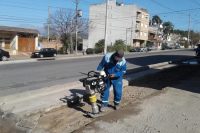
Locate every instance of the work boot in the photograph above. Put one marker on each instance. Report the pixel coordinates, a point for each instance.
(116, 107)
(103, 108)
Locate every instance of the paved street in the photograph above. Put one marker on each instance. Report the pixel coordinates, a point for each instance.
(16, 78)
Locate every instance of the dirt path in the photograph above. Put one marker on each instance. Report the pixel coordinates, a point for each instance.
(73, 119)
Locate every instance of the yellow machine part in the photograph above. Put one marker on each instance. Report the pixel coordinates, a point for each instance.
(93, 99)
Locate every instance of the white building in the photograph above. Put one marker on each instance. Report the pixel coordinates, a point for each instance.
(127, 22)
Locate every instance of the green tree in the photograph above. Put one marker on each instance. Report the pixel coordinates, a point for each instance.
(167, 29)
(99, 46)
(194, 37)
(156, 20)
(119, 45)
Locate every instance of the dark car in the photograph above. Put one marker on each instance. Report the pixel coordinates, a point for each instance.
(197, 50)
(4, 55)
(44, 52)
(135, 50)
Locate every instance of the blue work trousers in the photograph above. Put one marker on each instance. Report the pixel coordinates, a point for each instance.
(117, 90)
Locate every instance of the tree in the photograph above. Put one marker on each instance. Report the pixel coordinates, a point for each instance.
(99, 46)
(63, 25)
(119, 45)
(156, 20)
(194, 37)
(167, 29)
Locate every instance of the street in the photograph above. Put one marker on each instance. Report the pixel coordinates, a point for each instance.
(16, 78)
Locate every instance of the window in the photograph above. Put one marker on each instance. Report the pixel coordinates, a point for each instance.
(141, 33)
(145, 34)
(141, 24)
(145, 25)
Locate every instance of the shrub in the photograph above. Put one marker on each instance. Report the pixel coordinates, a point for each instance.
(99, 46)
(62, 50)
(90, 51)
(119, 45)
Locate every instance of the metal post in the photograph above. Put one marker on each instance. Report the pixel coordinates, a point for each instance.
(71, 40)
(189, 30)
(76, 27)
(126, 38)
(105, 34)
(48, 22)
(131, 41)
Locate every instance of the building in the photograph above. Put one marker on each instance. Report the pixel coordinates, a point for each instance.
(155, 36)
(127, 22)
(16, 40)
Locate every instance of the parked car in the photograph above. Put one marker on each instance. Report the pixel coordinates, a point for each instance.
(165, 46)
(135, 49)
(44, 52)
(145, 49)
(197, 50)
(4, 55)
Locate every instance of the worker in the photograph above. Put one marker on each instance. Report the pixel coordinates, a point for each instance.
(114, 65)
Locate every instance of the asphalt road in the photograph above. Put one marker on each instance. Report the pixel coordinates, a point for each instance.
(16, 78)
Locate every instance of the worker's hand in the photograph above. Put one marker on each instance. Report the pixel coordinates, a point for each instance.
(111, 76)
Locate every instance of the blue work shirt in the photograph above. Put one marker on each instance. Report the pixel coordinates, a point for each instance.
(107, 64)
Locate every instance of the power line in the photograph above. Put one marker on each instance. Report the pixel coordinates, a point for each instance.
(161, 5)
(178, 11)
(29, 8)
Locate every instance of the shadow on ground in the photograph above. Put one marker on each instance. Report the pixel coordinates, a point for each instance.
(184, 77)
(154, 59)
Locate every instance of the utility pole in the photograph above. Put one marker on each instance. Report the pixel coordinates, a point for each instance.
(127, 38)
(189, 29)
(131, 41)
(48, 22)
(71, 40)
(106, 23)
(76, 24)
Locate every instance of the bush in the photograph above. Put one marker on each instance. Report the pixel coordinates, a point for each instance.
(62, 50)
(90, 51)
(186, 45)
(97, 51)
(119, 45)
(128, 48)
(110, 48)
(99, 46)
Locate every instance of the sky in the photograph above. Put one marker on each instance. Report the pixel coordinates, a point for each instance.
(34, 13)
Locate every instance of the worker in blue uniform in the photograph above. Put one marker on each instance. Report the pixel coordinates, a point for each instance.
(114, 65)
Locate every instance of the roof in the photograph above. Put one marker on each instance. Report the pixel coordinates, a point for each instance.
(18, 30)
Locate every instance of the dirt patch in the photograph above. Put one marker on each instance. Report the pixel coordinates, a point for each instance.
(169, 77)
(67, 119)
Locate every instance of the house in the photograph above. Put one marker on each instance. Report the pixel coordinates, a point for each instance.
(16, 40)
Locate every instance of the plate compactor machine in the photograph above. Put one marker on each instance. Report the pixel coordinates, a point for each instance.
(94, 83)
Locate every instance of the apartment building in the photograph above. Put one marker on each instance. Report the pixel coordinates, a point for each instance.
(127, 22)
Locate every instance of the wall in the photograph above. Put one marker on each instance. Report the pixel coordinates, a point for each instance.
(52, 44)
(120, 18)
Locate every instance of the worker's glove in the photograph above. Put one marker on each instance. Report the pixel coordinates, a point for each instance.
(111, 76)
